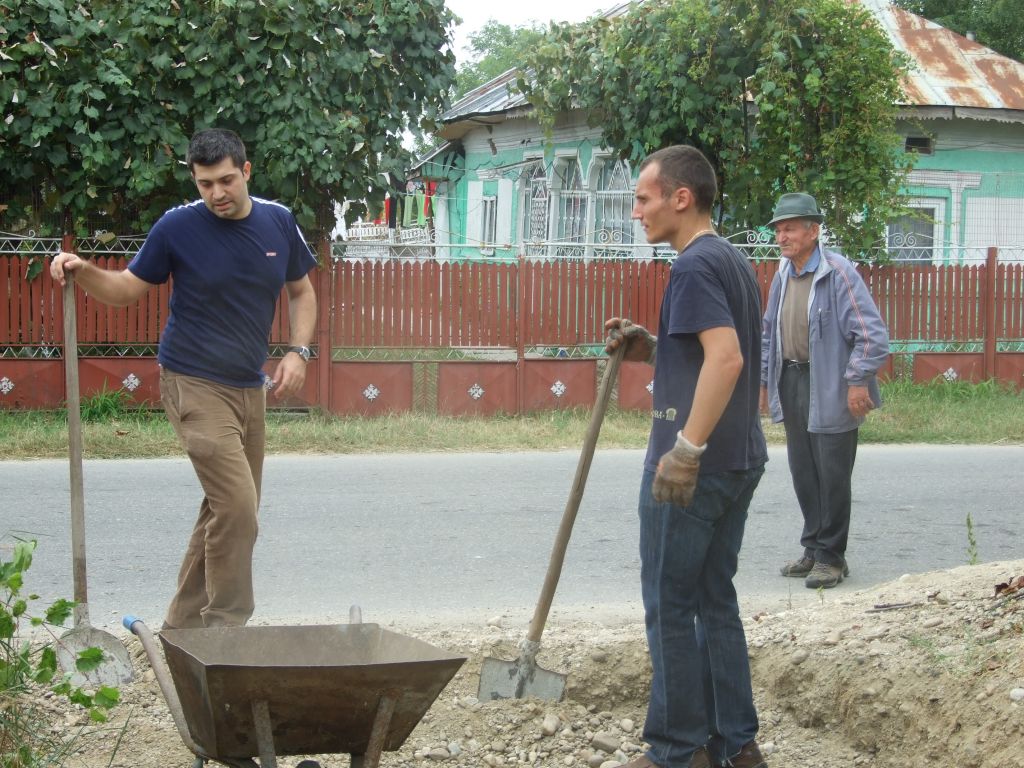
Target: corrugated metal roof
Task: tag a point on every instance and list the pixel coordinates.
(948, 69)
(498, 96)
(493, 97)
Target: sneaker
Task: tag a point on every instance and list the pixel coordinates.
(749, 757)
(799, 567)
(824, 575)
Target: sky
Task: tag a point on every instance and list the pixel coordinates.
(476, 13)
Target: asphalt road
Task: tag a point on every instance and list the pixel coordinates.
(423, 537)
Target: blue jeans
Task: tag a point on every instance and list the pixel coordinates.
(688, 557)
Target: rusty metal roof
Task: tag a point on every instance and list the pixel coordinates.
(949, 70)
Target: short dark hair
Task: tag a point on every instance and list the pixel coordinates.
(684, 166)
(211, 146)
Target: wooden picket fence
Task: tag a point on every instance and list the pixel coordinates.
(419, 323)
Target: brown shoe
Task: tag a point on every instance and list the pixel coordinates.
(749, 757)
(799, 567)
(824, 576)
(641, 762)
(701, 759)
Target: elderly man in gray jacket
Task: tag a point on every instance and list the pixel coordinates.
(823, 342)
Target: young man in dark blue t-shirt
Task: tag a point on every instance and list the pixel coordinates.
(230, 255)
(705, 457)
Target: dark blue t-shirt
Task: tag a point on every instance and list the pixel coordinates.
(228, 275)
(711, 285)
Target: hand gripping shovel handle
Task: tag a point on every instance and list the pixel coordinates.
(81, 611)
(547, 594)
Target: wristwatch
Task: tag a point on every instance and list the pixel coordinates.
(304, 352)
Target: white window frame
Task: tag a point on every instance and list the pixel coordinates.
(488, 224)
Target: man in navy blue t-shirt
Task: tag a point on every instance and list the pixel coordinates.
(705, 457)
(230, 255)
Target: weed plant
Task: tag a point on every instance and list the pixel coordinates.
(29, 737)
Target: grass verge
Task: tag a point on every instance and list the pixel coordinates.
(942, 412)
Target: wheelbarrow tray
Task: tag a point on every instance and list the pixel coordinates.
(321, 684)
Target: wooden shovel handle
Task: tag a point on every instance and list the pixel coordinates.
(75, 452)
(547, 594)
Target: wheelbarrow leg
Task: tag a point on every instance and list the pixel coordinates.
(264, 734)
(381, 723)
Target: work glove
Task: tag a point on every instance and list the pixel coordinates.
(676, 478)
(640, 344)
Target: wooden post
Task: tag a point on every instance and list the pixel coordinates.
(521, 334)
(989, 364)
(325, 323)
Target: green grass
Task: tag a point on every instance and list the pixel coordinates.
(952, 413)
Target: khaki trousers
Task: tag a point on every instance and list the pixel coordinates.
(222, 429)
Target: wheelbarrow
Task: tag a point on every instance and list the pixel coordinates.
(236, 693)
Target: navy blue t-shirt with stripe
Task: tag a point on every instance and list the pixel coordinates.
(227, 277)
(711, 285)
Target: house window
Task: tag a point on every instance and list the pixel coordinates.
(489, 224)
(613, 208)
(535, 211)
(911, 237)
(572, 211)
(920, 144)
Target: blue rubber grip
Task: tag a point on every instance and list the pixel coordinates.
(128, 620)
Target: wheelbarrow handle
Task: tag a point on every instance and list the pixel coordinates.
(138, 627)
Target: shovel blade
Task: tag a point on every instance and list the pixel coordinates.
(517, 680)
(114, 670)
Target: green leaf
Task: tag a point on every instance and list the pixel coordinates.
(59, 612)
(89, 659)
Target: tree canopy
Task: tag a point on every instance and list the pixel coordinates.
(995, 23)
(99, 100)
(495, 48)
(783, 96)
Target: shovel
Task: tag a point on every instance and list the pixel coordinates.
(116, 666)
(516, 679)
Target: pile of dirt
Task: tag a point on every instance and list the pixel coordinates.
(926, 670)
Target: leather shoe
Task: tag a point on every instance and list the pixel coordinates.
(701, 759)
(749, 757)
(800, 567)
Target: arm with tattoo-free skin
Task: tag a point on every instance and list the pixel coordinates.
(119, 288)
(290, 374)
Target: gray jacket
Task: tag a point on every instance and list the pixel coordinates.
(847, 339)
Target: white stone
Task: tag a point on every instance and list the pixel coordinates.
(1017, 694)
(550, 725)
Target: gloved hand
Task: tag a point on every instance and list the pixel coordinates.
(676, 478)
(640, 344)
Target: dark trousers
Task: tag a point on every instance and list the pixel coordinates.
(821, 466)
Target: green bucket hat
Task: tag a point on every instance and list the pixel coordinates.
(796, 205)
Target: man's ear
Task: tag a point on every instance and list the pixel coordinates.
(246, 170)
(682, 199)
